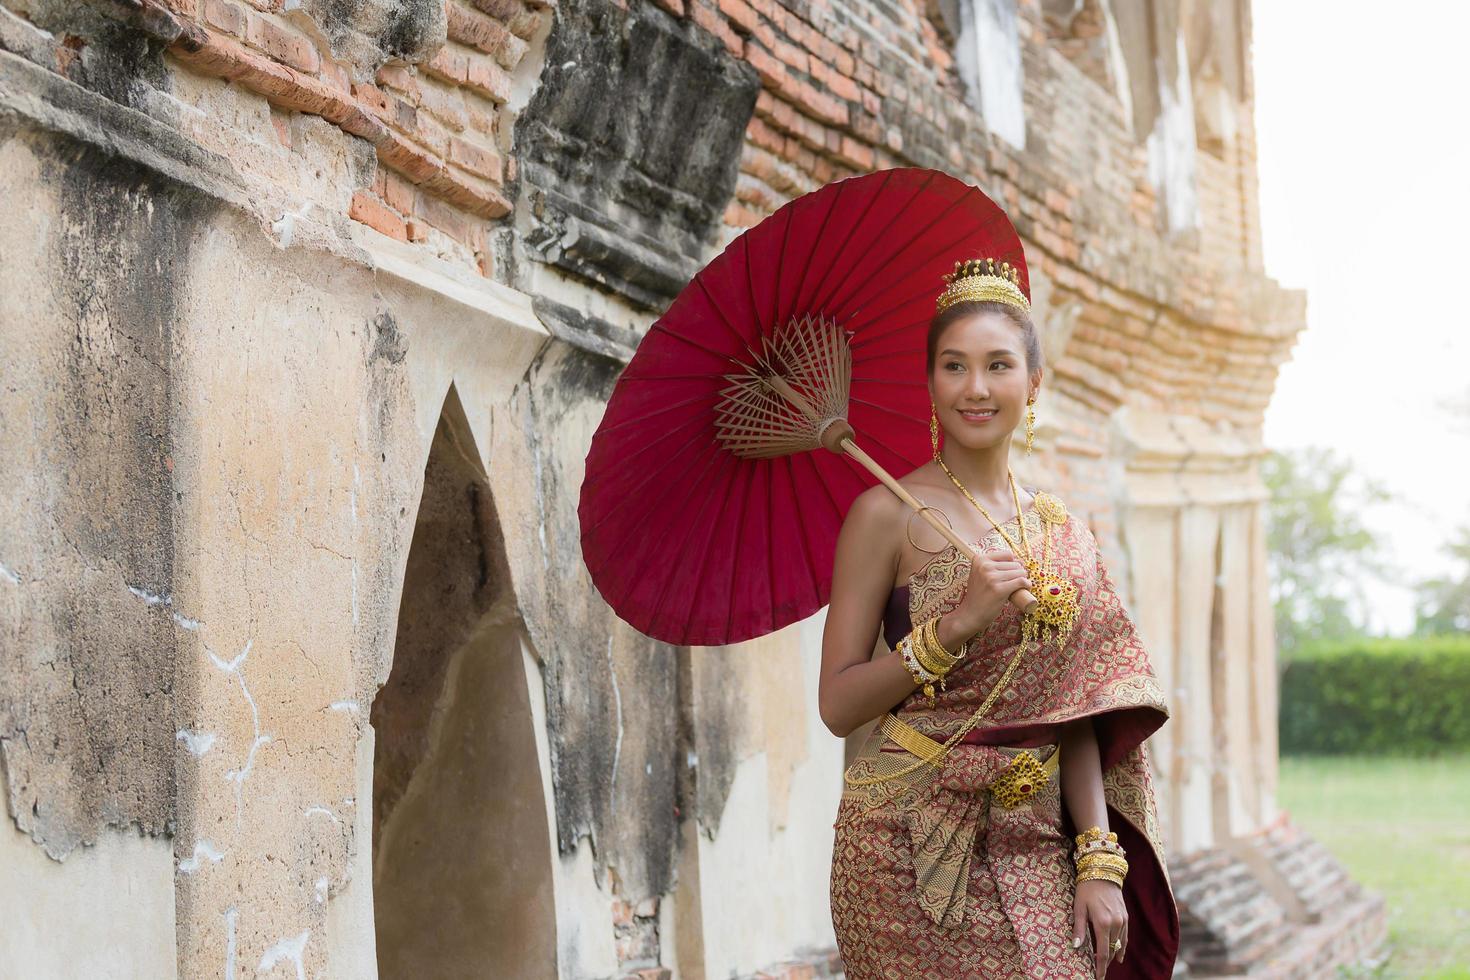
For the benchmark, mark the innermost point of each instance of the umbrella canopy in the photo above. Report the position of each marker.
(695, 545)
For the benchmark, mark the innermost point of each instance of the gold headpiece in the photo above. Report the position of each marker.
(978, 280)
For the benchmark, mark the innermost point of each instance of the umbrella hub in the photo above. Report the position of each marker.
(791, 396)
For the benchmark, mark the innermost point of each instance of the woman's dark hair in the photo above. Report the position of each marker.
(1029, 341)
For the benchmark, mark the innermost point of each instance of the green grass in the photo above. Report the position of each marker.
(1402, 828)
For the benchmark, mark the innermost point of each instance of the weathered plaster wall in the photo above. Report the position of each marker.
(256, 246)
(107, 912)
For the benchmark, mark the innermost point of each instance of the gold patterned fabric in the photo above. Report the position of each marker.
(943, 880)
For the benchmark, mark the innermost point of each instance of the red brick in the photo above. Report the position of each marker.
(469, 193)
(478, 31)
(488, 78)
(282, 126)
(771, 71)
(444, 104)
(282, 43)
(859, 155)
(376, 215)
(418, 230)
(741, 13)
(480, 160)
(448, 64)
(432, 135)
(372, 98)
(227, 16)
(336, 76)
(398, 77)
(791, 55)
(525, 24)
(840, 85)
(398, 192)
(411, 161)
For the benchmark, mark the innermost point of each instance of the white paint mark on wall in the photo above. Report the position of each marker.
(1172, 146)
(203, 851)
(9, 574)
(230, 916)
(351, 707)
(286, 951)
(321, 891)
(197, 743)
(618, 703)
(236, 668)
(154, 599)
(321, 811)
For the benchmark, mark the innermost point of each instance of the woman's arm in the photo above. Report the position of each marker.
(856, 686)
(1081, 768)
(1098, 903)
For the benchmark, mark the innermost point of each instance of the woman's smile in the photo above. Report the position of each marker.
(977, 416)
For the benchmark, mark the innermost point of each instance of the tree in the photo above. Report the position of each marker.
(1443, 604)
(1321, 553)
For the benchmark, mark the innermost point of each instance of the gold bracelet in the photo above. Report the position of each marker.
(1095, 833)
(1099, 876)
(932, 654)
(1103, 861)
(922, 678)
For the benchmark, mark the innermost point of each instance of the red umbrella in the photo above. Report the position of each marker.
(709, 509)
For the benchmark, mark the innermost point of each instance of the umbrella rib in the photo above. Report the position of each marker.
(780, 264)
(630, 493)
(877, 447)
(951, 206)
(650, 503)
(875, 336)
(929, 179)
(806, 266)
(655, 412)
(712, 528)
(634, 555)
(887, 410)
(735, 551)
(902, 303)
(659, 327)
(851, 231)
(801, 533)
(817, 472)
(657, 440)
(721, 314)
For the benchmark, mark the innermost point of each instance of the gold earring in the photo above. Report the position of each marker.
(934, 430)
(1030, 424)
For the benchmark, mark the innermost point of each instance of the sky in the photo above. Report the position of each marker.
(1363, 131)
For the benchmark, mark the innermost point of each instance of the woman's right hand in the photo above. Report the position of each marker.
(994, 575)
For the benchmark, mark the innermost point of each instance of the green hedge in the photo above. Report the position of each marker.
(1377, 697)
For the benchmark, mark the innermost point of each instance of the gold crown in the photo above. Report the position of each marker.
(982, 280)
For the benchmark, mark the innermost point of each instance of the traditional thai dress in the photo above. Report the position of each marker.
(945, 881)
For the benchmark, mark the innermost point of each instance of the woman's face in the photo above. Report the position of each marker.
(980, 383)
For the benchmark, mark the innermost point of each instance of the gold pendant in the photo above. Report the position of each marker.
(1018, 782)
(1050, 508)
(1057, 607)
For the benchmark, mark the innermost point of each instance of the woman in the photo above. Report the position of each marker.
(954, 855)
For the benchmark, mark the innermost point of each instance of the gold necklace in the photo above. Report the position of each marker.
(1056, 608)
(1023, 553)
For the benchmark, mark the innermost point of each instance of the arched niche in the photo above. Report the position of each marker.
(462, 861)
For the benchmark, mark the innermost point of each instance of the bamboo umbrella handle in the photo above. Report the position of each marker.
(1022, 598)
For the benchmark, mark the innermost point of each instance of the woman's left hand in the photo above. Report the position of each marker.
(1099, 904)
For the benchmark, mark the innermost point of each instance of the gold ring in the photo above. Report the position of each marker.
(1115, 945)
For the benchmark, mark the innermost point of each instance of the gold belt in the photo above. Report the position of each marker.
(1014, 786)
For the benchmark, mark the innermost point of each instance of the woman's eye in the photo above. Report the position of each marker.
(954, 364)
(1001, 363)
